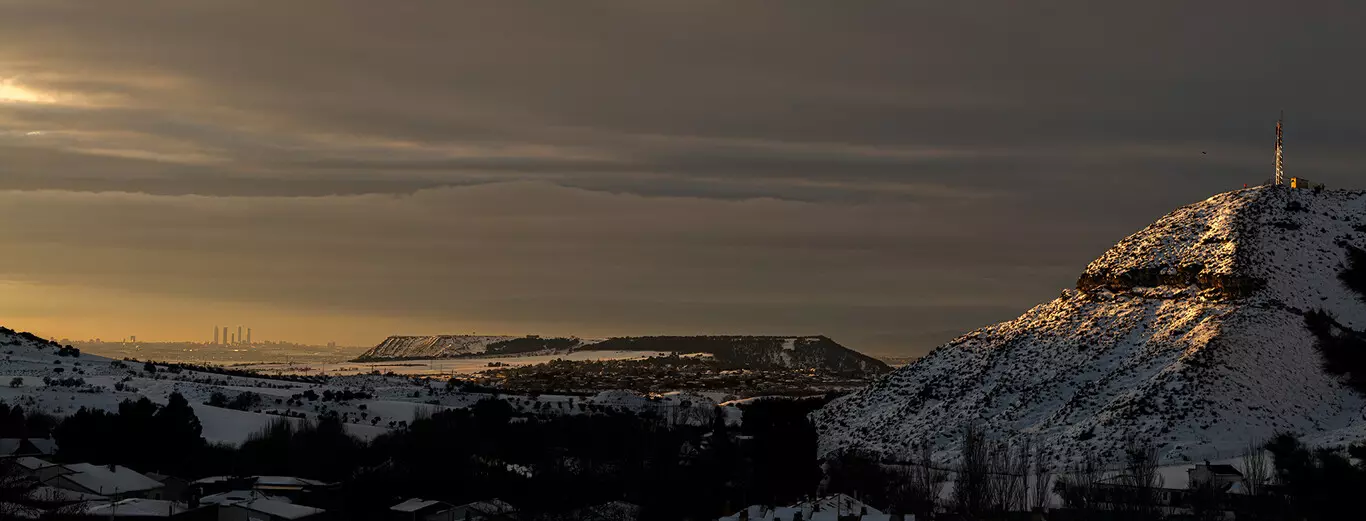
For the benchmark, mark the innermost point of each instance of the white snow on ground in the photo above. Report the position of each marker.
(1190, 332)
(398, 398)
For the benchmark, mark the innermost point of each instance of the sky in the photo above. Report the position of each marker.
(889, 174)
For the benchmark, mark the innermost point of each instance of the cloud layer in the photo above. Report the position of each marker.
(888, 175)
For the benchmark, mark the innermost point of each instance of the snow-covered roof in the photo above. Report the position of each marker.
(414, 504)
(264, 481)
(1222, 470)
(237, 496)
(50, 494)
(109, 479)
(19, 511)
(136, 508)
(32, 463)
(288, 481)
(278, 508)
(15, 446)
(212, 480)
(490, 506)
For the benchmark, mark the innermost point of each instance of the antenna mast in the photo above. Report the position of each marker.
(1280, 164)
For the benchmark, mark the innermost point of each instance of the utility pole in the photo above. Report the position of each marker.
(1280, 164)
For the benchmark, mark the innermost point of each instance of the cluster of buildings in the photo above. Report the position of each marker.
(84, 491)
(231, 339)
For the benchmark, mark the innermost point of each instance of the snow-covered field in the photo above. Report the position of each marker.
(1190, 333)
(394, 400)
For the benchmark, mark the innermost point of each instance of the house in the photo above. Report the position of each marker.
(135, 509)
(417, 509)
(1300, 183)
(293, 488)
(236, 496)
(17, 447)
(1219, 477)
(53, 497)
(174, 487)
(39, 469)
(492, 509)
(115, 481)
(267, 510)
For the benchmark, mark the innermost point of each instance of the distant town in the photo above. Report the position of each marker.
(226, 347)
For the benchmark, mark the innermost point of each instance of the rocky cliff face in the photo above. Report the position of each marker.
(1191, 332)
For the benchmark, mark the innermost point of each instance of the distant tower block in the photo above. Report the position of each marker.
(248, 336)
(215, 335)
(238, 338)
(225, 334)
(1280, 164)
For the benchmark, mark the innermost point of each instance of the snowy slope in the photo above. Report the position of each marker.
(431, 346)
(394, 400)
(1190, 332)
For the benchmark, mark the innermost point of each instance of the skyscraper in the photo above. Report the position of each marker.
(215, 335)
(248, 336)
(238, 338)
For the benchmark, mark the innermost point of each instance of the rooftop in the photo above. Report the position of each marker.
(109, 479)
(278, 508)
(414, 504)
(136, 508)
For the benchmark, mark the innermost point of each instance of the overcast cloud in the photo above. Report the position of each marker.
(890, 174)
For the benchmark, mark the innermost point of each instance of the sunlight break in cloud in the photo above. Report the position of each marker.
(12, 91)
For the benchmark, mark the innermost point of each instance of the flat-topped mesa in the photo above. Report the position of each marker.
(447, 346)
(738, 351)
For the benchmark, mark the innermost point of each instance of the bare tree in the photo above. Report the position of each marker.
(1255, 469)
(971, 491)
(1019, 476)
(1007, 475)
(926, 480)
(1078, 487)
(1141, 476)
(1042, 494)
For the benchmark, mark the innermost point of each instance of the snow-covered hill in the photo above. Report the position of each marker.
(1191, 332)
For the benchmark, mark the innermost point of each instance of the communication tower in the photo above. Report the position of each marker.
(1280, 163)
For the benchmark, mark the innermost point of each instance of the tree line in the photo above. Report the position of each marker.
(548, 465)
